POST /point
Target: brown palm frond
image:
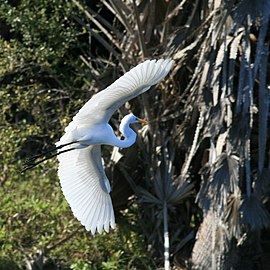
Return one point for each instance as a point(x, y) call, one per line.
point(232, 215)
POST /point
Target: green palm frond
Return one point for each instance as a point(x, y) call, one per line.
point(221, 180)
point(254, 214)
point(264, 99)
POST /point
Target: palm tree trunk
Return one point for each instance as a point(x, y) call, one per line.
point(166, 237)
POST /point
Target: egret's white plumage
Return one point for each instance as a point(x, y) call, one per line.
point(82, 177)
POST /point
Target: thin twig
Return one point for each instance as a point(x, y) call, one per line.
point(118, 12)
point(98, 24)
point(103, 42)
point(63, 240)
point(175, 11)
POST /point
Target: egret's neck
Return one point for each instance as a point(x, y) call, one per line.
point(129, 134)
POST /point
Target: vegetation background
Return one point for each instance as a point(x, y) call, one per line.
point(198, 174)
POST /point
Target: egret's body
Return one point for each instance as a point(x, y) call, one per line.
point(82, 177)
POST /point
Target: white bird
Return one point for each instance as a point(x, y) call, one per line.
point(82, 177)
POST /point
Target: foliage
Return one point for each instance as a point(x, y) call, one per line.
point(43, 82)
point(201, 166)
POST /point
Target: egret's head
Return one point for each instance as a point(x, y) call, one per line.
point(127, 120)
point(131, 118)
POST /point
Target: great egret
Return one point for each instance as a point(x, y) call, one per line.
point(82, 177)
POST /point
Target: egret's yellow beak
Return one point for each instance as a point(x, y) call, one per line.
point(143, 121)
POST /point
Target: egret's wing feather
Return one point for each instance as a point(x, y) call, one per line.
point(100, 107)
point(86, 188)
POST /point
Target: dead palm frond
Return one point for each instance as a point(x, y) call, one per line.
point(228, 108)
point(211, 244)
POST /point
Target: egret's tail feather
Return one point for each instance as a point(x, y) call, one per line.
point(31, 162)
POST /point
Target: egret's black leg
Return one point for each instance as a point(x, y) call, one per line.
point(30, 165)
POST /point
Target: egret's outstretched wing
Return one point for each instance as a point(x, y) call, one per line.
point(81, 174)
point(139, 79)
point(86, 188)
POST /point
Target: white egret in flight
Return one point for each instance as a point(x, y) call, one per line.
point(82, 177)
